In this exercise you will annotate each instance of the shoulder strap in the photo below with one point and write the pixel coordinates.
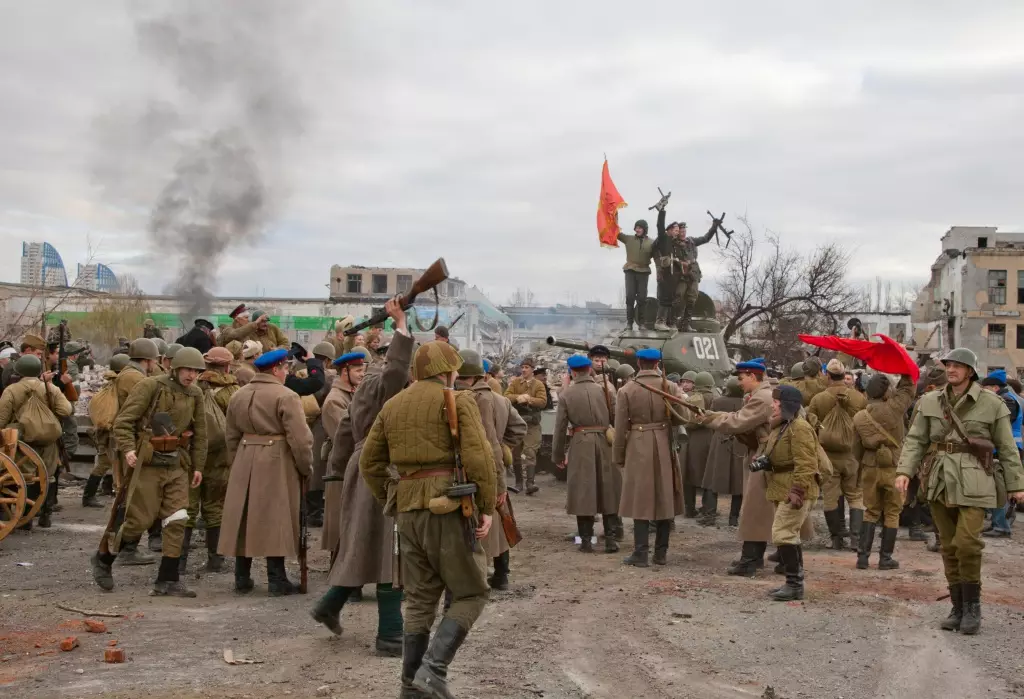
(881, 429)
(954, 420)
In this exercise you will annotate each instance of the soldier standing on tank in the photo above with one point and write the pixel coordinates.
(529, 397)
(959, 485)
(161, 430)
(639, 251)
(104, 457)
(585, 413)
(727, 461)
(679, 273)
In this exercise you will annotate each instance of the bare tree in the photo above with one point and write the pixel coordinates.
(522, 298)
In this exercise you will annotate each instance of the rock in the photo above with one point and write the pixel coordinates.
(79, 671)
(323, 690)
(93, 626)
(681, 615)
(69, 643)
(113, 655)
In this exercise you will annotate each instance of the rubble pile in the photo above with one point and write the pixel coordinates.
(90, 381)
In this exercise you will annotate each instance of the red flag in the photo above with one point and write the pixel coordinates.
(608, 211)
(887, 356)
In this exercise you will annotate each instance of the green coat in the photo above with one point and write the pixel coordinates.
(958, 479)
(185, 406)
(639, 251)
(794, 457)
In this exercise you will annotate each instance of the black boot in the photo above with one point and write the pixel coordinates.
(278, 583)
(102, 571)
(167, 583)
(856, 519)
(46, 512)
(794, 587)
(914, 529)
(661, 534)
(315, 508)
(774, 556)
(107, 485)
(734, 510)
(432, 675)
(414, 645)
(683, 325)
(689, 501)
(499, 581)
(518, 468)
(885, 559)
(956, 615)
(585, 525)
(971, 622)
(613, 527)
(31, 493)
(867, 540)
(89, 494)
(638, 558)
(131, 556)
(214, 561)
(708, 516)
(832, 518)
(186, 545)
(156, 538)
(327, 610)
(243, 574)
(751, 558)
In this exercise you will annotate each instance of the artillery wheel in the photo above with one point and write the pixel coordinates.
(34, 471)
(13, 492)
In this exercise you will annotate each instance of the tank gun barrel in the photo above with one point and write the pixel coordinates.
(616, 352)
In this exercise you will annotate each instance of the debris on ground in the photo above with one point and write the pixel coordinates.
(93, 626)
(69, 643)
(113, 655)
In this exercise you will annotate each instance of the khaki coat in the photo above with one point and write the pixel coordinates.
(694, 454)
(727, 456)
(335, 408)
(593, 487)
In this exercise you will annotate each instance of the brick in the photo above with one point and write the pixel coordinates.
(113, 655)
(69, 643)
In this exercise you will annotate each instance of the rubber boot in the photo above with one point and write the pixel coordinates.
(414, 646)
(102, 570)
(278, 583)
(167, 583)
(794, 587)
(661, 535)
(131, 556)
(867, 540)
(186, 546)
(638, 558)
(327, 610)
(971, 622)
(214, 561)
(499, 581)
(956, 615)
(243, 574)
(585, 525)
(531, 472)
(689, 501)
(751, 559)
(432, 675)
(856, 519)
(89, 494)
(885, 559)
(834, 527)
(107, 485)
(156, 537)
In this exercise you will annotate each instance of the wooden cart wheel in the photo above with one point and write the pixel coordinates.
(34, 471)
(13, 492)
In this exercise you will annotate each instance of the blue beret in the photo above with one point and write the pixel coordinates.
(487, 367)
(578, 361)
(756, 364)
(269, 359)
(649, 354)
(356, 357)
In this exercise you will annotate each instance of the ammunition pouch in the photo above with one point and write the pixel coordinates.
(983, 450)
(443, 505)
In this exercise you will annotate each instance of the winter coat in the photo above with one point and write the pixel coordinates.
(334, 409)
(694, 454)
(727, 456)
(14, 398)
(583, 409)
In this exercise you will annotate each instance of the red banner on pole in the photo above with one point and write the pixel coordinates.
(887, 356)
(608, 211)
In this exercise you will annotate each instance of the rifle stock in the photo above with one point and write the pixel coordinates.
(509, 524)
(62, 361)
(434, 275)
(465, 501)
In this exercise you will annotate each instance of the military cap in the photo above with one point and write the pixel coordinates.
(674, 377)
(752, 365)
(540, 370)
(118, 362)
(790, 398)
(204, 323)
(578, 361)
(34, 342)
(297, 351)
(689, 375)
(324, 349)
(271, 359)
(835, 367)
(472, 364)
(878, 384)
(344, 324)
(190, 358)
(649, 354)
(528, 361)
(704, 380)
(240, 309)
(350, 358)
(235, 348)
(251, 348)
(73, 348)
(487, 366)
(433, 358)
(28, 365)
(259, 313)
(441, 331)
(218, 355)
(143, 348)
(598, 351)
(733, 388)
(812, 367)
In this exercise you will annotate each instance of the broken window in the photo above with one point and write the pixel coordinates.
(997, 286)
(380, 283)
(996, 336)
(355, 284)
(1020, 286)
(404, 283)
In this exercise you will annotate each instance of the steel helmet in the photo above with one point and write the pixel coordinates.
(797, 372)
(962, 355)
(188, 358)
(472, 364)
(325, 349)
(118, 362)
(690, 375)
(29, 366)
(733, 388)
(143, 348)
(624, 372)
(433, 358)
(161, 347)
(172, 349)
(704, 380)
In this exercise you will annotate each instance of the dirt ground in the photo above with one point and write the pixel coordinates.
(572, 625)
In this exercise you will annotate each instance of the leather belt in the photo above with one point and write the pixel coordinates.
(649, 426)
(427, 473)
(167, 444)
(782, 468)
(261, 440)
(952, 447)
(592, 429)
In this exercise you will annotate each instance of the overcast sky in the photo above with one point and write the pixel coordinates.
(475, 131)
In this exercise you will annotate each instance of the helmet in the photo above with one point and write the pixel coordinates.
(73, 347)
(161, 347)
(143, 348)
(733, 388)
(962, 355)
(624, 372)
(189, 358)
(235, 348)
(673, 377)
(612, 364)
(118, 362)
(797, 372)
(812, 367)
(172, 349)
(704, 380)
(472, 364)
(433, 358)
(218, 355)
(325, 349)
(690, 376)
(28, 366)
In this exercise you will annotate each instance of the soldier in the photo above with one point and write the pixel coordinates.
(811, 384)
(916, 503)
(727, 461)
(995, 382)
(494, 374)
(150, 331)
(235, 348)
(796, 374)
(411, 435)
(958, 475)
(251, 349)
(270, 449)
(880, 429)
(217, 385)
(261, 329)
(200, 336)
(161, 430)
(679, 273)
(441, 334)
(69, 427)
(639, 251)
(101, 438)
(592, 486)
(695, 451)
(363, 553)
(338, 340)
(37, 409)
(834, 408)
(687, 382)
(600, 358)
(504, 429)
(324, 352)
(529, 397)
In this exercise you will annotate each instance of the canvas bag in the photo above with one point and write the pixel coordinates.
(103, 407)
(216, 421)
(836, 433)
(38, 423)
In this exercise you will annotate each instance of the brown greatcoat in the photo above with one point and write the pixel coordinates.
(698, 444)
(316, 480)
(270, 449)
(727, 456)
(591, 479)
(335, 408)
(651, 480)
(363, 553)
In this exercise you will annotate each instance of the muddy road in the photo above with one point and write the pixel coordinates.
(570, 626)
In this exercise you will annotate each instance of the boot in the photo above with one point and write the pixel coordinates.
(107, 485)
(156, 538)
(214, 561)
(518, 467)
(167, 583)
(531, 472)
(708, 508)
(610, 544)
(661, 534)
(683, 325)
(102, 571)
(89, 494)
(794, 587)
(278, 583)
(613, 527)
(914, 529)
(832, 517)
(885, 559)
(689, 501)
(131, 556)
(844, 531)
(956, 596)
(638, 558)
(432, 676)
(186, 545)
(46, 511)
(499, 581)
(856, 519)
(867, 539)
(585, 525)
(414, 645)
(389, 621)
(327, 610)
(734, 510)
(970, 624)
(751, 558)
(661, 322)
(357, 595)
(243, 574)
(935, 546)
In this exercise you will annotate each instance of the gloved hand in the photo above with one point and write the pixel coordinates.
(795, 497)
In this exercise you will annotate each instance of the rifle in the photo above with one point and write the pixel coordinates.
(668, 396)
(62, 364)
(457, 319)
(716, 226)
(661, 202)
(303, 538)
(677, 477)
(428, 281)
(462, 489)
(509, 524)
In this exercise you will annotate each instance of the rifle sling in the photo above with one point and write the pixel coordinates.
(881, 429)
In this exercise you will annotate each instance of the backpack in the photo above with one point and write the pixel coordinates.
(38, 423)
(216, 421)
(103, 407)
(836, 433)
(311, 409)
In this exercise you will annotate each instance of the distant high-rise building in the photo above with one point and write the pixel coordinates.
(96, 277)
(41, 265)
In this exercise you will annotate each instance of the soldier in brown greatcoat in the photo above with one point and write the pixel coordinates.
(727, 461)
(698, 444)
(604, 374)
(529, 397)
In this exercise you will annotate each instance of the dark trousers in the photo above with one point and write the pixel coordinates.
(636, 296)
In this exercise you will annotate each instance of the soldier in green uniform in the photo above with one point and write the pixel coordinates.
(411, 434)
(959, 477)
(104, 459)
(639, 250)
(261, 329)
(529, 397)
(161, 430)
(678, 272)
